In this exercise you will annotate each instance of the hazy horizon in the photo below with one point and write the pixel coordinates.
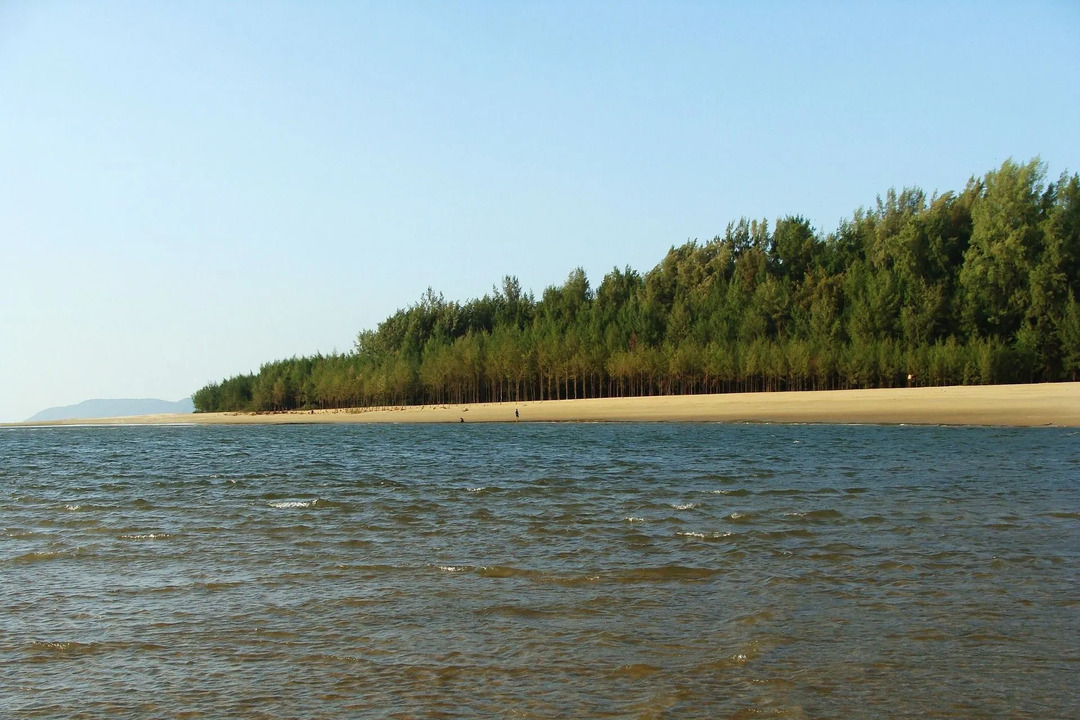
(112, 407)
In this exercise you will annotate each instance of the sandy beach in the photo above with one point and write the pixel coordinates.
(1051, 404)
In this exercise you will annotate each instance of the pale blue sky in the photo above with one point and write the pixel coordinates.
(190, 189)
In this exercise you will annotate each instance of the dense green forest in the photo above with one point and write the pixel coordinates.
(969, 287)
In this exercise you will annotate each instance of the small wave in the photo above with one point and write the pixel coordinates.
(503, 571)
(723, 479)
(738, 492)
(792, 533)
(483, 489)
(636, 671)
(455, 568)
(33, 557)
(354, 543)
(705, 536)
(739, 517)
(571, 580)
(632, 519)
(292, 504)
(666, 572)
(815, 515)
(64, 648)
(221, 585)
(741, 657)
(144, 536)
(517, 611)
(685, 506)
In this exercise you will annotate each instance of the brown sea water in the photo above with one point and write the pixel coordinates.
(601, 570)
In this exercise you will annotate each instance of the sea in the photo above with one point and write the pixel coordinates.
(608, 570)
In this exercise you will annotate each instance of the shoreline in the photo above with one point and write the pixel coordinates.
(1045, 404)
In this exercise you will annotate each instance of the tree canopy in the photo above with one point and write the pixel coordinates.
(972, 287)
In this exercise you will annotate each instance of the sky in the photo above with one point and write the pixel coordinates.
(189, 190)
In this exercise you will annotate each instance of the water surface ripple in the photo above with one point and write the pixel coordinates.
(597, 570)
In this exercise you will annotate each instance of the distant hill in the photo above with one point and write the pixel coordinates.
(114, 408)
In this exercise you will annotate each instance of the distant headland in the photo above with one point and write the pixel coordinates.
(114, 408)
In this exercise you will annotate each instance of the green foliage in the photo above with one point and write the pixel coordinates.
(971, 287)
(1069, 336)
(1006, 245)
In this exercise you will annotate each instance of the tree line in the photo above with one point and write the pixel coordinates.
(978, 286)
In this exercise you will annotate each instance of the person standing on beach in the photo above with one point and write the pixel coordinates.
(516, 416)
